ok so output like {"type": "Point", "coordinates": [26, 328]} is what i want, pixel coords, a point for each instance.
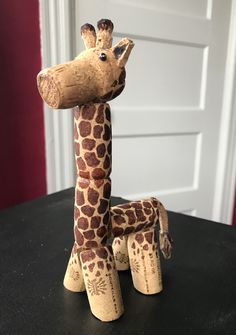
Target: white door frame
{"type": "Point", "coordinates": [226, 166]}
{"type": "Point", "coordinates": [58, 39]}
{"type": "Point", "coordinates": [57, 20]}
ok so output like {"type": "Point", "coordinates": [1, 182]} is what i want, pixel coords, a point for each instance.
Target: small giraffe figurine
{"type": "Point", "coordinates": [96, 76]}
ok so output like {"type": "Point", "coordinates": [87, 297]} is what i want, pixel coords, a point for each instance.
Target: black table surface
{"type": "Point", "coordinates": [199, 295]}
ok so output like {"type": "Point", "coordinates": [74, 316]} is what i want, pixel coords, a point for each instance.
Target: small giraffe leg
{"type": "Point", "coordinates": [73, 279]}
{"type": "Point", "coordinates": [120, 251]}
{"type": "Point", "coordinates": [102, 283]}
{"type": "Point", "coordinates": [145, 262]}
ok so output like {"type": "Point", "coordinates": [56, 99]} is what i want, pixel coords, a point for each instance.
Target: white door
{"type": "Point", "coordinates": [166, 124]}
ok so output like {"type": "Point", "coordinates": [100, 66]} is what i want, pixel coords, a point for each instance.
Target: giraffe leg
{"type": "Point", "coordinates": [120, 252]}
{"type": "Point", "coordinates": [145, 262]}
{"type": "Point", "coordinates": [73, 279]}
{"type": "Point", "coordinates": [102, 283]}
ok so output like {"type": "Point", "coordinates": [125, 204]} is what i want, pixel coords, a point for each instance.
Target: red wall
{"type": "Point", "coordinates": [22, 150]}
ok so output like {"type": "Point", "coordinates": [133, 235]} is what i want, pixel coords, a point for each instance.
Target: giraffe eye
{"type": "Point", "coordinates": [103, 57]}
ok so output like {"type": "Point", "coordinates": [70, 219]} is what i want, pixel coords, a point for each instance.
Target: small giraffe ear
{"type": "Point", "coordinates": [122, 51]}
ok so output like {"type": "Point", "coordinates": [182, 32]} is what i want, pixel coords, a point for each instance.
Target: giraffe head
{"type": "Point", "coordinates": [96, 75]}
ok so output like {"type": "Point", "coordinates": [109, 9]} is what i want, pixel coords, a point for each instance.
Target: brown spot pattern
{"type": "Point", "coordinates": [84, 128]}
{"type": "Point", "coordinates": [88, 144]}
{"type": "Point", "coordinates": [93, 196]}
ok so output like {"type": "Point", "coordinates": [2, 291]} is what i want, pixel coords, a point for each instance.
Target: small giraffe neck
{"type": "Point", "coordinates": [92, 137]}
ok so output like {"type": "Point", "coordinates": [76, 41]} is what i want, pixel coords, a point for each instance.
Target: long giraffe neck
{"type": "Point", "coordinates": [92, 136]}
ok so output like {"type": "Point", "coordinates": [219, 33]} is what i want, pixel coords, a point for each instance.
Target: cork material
{"type": "Point", "coordinates": [136, 216]}
{"type": "Point", "coordinates": [88, 35]}
{"type": "Point", "coordinates": [102, 283]}
{"type": "Point", "coordinates": [92, 138]}
{"type": "Point", "coordinates": [120, 252]}
{"type": "Point", "coordinates": [145, 262]}
{"type": "Point", "coordinates": [73, 279]}
{"type": "Point", "coordinates": [68, 85]}
{"type": "Point", "coordinates": [104, 36]}
{"type": "Point", "coordinates": [92, 212]}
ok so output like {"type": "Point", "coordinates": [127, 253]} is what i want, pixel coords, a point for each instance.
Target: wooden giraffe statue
{"type": "Point", "coordinates": [96, 76]}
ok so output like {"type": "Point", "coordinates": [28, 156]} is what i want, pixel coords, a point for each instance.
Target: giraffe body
{"type": "Point", "coordinates": [96, 76]}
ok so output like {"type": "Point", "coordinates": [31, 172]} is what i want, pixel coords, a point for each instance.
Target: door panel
{"type": "Point", "coordinates": [166, 124]}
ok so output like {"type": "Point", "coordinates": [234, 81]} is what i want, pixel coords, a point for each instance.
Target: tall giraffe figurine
{"type": "Point", "coordinates": [96, 76]}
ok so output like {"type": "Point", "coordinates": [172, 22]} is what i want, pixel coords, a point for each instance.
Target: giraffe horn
{"type": "Point", "coordinates": [88, 35]}
{"type": "Point", "coordinates": [104, 35]}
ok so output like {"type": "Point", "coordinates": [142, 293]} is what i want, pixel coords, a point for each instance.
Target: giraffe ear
{"type": "Point", "coordinates": [122, 51]}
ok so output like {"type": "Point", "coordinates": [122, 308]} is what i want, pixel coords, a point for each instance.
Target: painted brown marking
{"type": "Point", "coordinates": [91, 159]}
{"type": "Point", "coordinates": [140, 227]}
{"type": "Point", "coordinates": [131, 217]}
{"type": "Point", "coordinates": [84, 174]}
{"type": "Point", "coordinates": [147, 211]}
{"type": "Point", "coordinates": [147, 204]}
{"type": "Point", "coordinates": [108, 267]}
{"type": "Point", "coordinates": [100, 115]}
{"type": "Point", "coordinates": [122, 76]}
{"type": "Point", "coordinates": [82, 223]}
{"type": "Point", "coordinates": [99, 183]}
{"type": "Point", "coordinates": [78, 236]}
{"type": "Point", "coordinates": [77, 149]}
{"type": "Point", "coordinates": [118, 219]}
{"type": "Point", "coordinates": [102, 253]}
{"type": "Point", "coordinates": [107, 162]}
{"type": "Point", "coordinates": [107, 191]}
{"type": "Point", "coordinates": [106, 218]}
{"type": "Point", "coordinates": [117, 231]}
{"type": "Point", "coordinates": [87, 210]}
{"type": "Point", "coordinates": [91, 244]}
{"type": "Point", "coordinates": [84, 128]}
{"type": "Point", "coordinates": [117, 211]}
{"type": "Point", "coordinates": [97, 131]}
{"type": "Point", "coordinates": [149, 236]}
{"type": "Point", "coordinates": [139, 213]}
{"type": "Point", "coordinates": [125, 206]}
{"type": "Point", "coordinates": [139, 238]}
{"type": "Point", "coordinates": [129, 230]}
{"type": "Point", "coordinates": [109, 148]}
{"type": "Point", "coordinates": [101, 231]}
{"type": "Point", "coordinates": [101, 150]}
{"type": "Point", "coordinates": [103, 206]}
{"type": "Point", "coordinates": [81, 164]}
{"type": "Point", "coordinates": [108, 114]}
{"type": "Point", "coordinates": [88, 144]}
{"type": "Point", "coordinates": [79, 198]}
{"type": "Point", "coordinates": [145, 247]}
{"type": "Point", "coordinates": [93, 196]}
{"type": "Point", "coordinates": [88, 112]}
{"type": "Point", "coordinates": [133, 245]}
{"type": "Point", "coordinates": [98, 173]}
{"type": "Point", "coordinates": [95, 222]}
{"type": "Point", "coordinates": [100, 265]}
{"type": "Point", "coordinates": [76, 213]}
{"type": "Point", "coordinates": [89, 234]}
{"type": "Point", "coordinates": [91, 267]}
{"type": "Point", "coordinates": [87, 256]}
{"type": "Point", "coordinates": [136, 205]}
{"type": "Point", "coordinates": [107, 133]}
{"type": "Point", "coordinates": [98, 273]}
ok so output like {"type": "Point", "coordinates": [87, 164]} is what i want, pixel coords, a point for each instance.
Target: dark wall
{"type": "Point", "coordinates": [22, 149]}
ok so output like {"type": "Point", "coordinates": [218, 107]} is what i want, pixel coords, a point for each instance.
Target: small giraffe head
{"type": "Point", "coordinates": [96, 75]}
